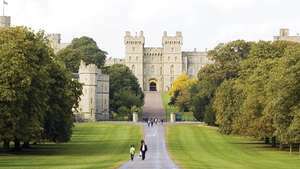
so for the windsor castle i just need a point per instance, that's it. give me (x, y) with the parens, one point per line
(157, 68)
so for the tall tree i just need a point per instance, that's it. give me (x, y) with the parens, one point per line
(83, 48)
(125, 91)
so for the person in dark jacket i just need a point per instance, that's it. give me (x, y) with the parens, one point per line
(143, 149)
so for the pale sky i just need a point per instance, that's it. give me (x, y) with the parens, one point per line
(203, 23)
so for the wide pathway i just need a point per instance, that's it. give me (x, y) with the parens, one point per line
(157, 156)
(153, 107)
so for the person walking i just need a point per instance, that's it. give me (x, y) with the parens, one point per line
(143, 149)
(132, 152)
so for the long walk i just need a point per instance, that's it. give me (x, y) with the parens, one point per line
(157, 156)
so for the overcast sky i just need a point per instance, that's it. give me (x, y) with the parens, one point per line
(203, 23)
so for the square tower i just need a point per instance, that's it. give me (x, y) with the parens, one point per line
(134, 50)
(172, 58)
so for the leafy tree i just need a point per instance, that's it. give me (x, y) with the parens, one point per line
(179, 93)
(63, 94)
(35, 92)
(125, 91)
(24, 57)
(83, 48)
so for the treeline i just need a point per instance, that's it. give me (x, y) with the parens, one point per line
(37, 94)
(125, 94)
(252, 89)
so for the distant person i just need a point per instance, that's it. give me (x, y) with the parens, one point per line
(162, 121)
(132, 152)
(143, 149)
(148, 122)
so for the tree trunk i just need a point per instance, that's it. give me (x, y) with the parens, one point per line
(26, 144)
(6, 145)
(267, 140)
(273, 141)
(17, 145)
(280, 146)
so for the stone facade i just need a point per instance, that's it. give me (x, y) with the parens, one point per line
(55, 42)
(5, 21)
(156, 68)
(94, 102)
(284, 34)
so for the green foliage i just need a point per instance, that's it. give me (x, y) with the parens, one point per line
(125, 91)
(27, 88)
(83, 48)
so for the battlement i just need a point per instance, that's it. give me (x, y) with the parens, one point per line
(88, 69)
(172, 40)
(137, 39)
(284, 34)
(5, 21)
(55, 38)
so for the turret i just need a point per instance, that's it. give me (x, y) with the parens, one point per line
(5, 21)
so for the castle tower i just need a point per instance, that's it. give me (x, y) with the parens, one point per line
(5, 21)
(87, 76)
(172, 56)
(134, 52)
(284, 32)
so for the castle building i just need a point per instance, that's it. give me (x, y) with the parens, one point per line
(55, 42)
(94, 101)
(284, 34)
(5, 21)
(157, 67)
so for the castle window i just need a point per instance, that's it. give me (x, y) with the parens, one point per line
(152, 69)
(133, 69)
(172, 69)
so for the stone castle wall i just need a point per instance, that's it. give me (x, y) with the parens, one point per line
(160, 65)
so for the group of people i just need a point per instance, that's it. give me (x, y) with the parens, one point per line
(152, 121)
(143, 150)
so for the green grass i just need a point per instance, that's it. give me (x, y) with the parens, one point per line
(200, 147)
(186, 116)
(93, 145)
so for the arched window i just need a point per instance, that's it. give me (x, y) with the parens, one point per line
(133, 69)
(152, 69)
(172, 69)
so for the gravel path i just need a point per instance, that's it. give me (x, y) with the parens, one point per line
(157, 156)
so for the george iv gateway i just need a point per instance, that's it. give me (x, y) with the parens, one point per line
(156, 68)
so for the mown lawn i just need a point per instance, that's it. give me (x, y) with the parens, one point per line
(186, 116)
(200, 147)
(93, 146)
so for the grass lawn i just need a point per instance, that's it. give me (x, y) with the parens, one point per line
(200, 147)
(186, 116)
(93, 145)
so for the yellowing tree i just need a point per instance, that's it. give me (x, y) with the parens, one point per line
(182, 82)
(179, 92)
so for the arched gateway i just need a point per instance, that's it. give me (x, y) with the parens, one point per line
(152, 85)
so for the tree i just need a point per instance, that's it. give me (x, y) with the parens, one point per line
(24, 57)
(63, 93)
(83, 48)
(36, 93)
(125, 91)
(179, 93)
(227, 59)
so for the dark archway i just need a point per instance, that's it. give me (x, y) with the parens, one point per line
(152, 86)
